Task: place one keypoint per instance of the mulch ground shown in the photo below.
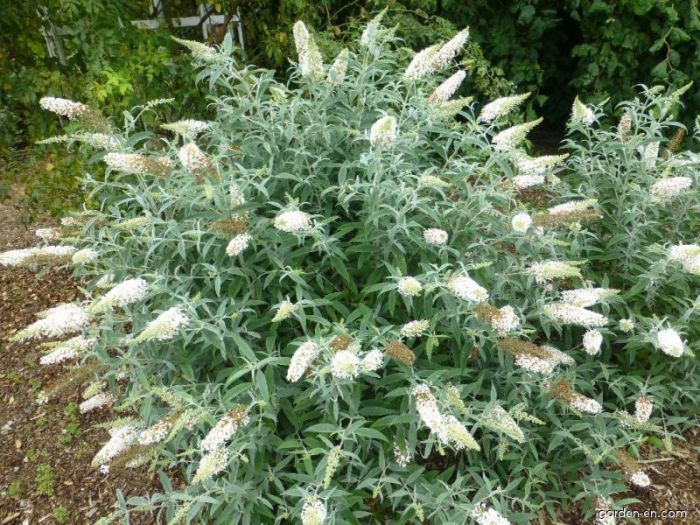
(675, 480)
(46, 450)
(675, 486)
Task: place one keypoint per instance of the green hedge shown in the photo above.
(556, 48)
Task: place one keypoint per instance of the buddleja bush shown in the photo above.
(357, 299)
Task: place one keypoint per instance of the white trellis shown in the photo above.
(158, 19)
(53, 35)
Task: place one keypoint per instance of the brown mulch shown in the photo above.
(41, 442)
(675, 478)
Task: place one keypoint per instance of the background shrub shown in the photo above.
(553, 49)
(109, 63)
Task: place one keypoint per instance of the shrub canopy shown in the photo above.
(356, 298)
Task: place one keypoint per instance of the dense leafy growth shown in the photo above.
(354, 298)
(550, 48)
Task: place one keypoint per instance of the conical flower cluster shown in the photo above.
(435, 58)
(498, 420)
(371, 361)
(422, 63)
(225, 428)
(121, 438)
(643, 408)
(670, 343)
(336, 73)
(165, 326)
(459, 436)
(626, 325)
(567, 313)
(539, 165)
(409, 286)
(399, 351)
(688, 255)
(138, 164)
(301, 360)
(58, 321)
(96, 402)
(521, 222)
(435, 236)
(487, 516)
(156, 432)
(510, 138)
(210, 465)
(585, 297)
(449, 50)
(501, 107)
(573, 206)
(466, 288)
(624, 126)
(502, 320)
(529, 356)
(345, 365)
(37, 255)
(313, 512)
(75, 111)
(631, 468)
(592, 341)
(383, 132)
(64, 107)
(194, 160)
(284, 311)
(293, 221)
(310, 60)
(187, 128)
(444, 91)
(85, 256)
(238, 244)
(200, 51)
(547, 271)
(48, 234)
(68, 350)
(448, 429)
(650, 154)
(669, 187)
(581, 114)
(101, 141)
(125, 293)
(429, 412)
(522, 182)
(132, 224)
(415, 328)
(369, 35)
(564, 392)
(556, 356)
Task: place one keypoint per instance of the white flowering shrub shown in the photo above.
(357, 298)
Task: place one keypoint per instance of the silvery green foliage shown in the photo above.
(477, 411)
